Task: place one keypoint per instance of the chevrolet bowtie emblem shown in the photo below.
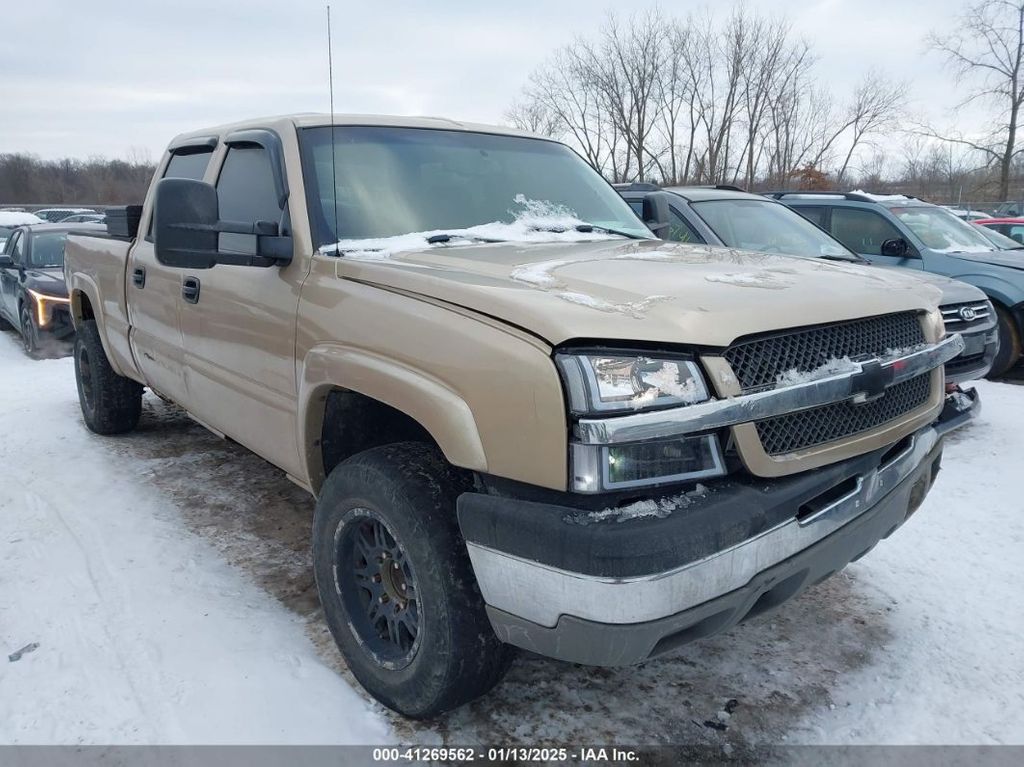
(871, 382)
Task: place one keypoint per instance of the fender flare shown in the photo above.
(429, 401)
(84, 286)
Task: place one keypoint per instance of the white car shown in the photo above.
(11, 219)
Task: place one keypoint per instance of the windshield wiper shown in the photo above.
(438, 239)
(588, 228)
(847, 259)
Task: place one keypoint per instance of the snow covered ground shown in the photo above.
(165, 576)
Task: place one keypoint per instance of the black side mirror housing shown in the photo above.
(6, 262)
(656, 213)
(187, 225)
(897, 247)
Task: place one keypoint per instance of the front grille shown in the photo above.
(757, 363)
(820, 425)
(978, 312)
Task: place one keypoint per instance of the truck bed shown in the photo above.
(95, 268)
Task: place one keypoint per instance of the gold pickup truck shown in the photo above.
(527, 421)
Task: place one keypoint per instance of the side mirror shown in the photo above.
(897, 247)
(6, 262)
(656, 213)
(187, 226)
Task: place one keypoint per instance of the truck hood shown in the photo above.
(639, 290)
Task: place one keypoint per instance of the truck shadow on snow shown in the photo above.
(745, 688)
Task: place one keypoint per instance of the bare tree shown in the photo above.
(876, 105)
(987, 49)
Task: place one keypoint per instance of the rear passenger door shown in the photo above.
(154, 290)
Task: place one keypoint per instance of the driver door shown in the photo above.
(864, 231)
(9, 278)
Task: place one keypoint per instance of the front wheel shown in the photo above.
(29, 334)
(396, 583)
(1009, 344)
(110, 403)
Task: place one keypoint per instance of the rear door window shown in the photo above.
(680, 230)
(816, 214)
(191, 164)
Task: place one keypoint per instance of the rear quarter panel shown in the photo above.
(94, 269)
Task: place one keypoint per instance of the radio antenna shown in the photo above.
(334, 149)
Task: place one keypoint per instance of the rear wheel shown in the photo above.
(1009, 344)
(396, 584)
(29, 333)
(110, 403)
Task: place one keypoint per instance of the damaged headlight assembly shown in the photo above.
(609, 384)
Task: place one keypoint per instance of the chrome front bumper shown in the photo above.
(602, 620)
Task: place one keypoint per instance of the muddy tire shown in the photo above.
(111, 404)
(29, 333)
(396, 584)
(1009, 344)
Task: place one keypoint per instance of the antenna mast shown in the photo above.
(334, 150)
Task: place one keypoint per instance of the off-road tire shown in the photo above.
(412, 490)
(1009, 344)
(111, 404)
(29, 334)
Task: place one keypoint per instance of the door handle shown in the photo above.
(190, 290)
(139, 277)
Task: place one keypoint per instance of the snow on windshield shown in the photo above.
(940, 230)
(534, 221)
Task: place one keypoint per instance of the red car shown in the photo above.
(1008, 227)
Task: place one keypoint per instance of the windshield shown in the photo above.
(395, 181)
(940, 230)
(769, 227)
(48, 249)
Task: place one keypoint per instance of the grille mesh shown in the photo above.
(820, 425)
(757, 363)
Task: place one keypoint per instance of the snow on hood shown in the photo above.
(18, 218)
(640, 290)
(538, 222)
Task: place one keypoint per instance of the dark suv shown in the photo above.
(895, 230)
(728, 216)
(33, 296)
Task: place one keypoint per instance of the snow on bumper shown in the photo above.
(614, 593)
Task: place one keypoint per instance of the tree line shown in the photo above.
(26, 178)
(736, 99)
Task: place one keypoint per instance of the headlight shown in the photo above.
(604, 383)
(44, 306)
(617, 384)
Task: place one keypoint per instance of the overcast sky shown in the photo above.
(103, 78)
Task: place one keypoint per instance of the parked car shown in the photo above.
(728, 216)
(527, 421)
(10, 220)
(33, 295)
(903, 231)
(85, 218)
(1008, 227)
(966, 214)
(56, 215)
